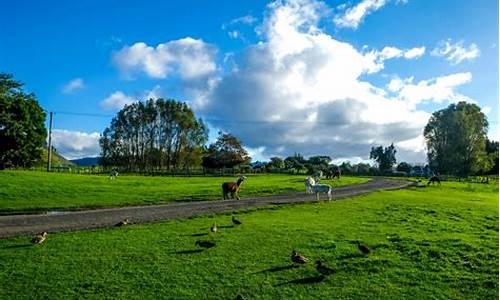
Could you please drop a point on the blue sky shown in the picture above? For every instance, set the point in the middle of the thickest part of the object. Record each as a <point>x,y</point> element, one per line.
<point>391,63</point>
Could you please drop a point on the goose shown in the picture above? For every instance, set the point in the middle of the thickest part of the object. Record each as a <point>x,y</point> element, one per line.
<point>363,248</point>
<point>213,228</point>
<point>122,223</point>
<point>236,221</point>
<point>205,244</point>
<point>298,259</point>
<point>39,238</point>
<point>323,269</point>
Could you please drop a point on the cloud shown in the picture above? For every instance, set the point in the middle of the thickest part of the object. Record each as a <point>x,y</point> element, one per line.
<point>246,20</point>
<point>189,58</point>
<point>439,89</point>
<point>375,59</point>
<point>117,100</point>
<point>456,53</point>
<point>301,90</point>
<point>353,16</point>
<point>414,53</point>
<point>73,85</point>
<point>76,144</point>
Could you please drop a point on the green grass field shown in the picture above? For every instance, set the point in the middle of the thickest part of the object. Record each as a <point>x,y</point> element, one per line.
<point>427,243</point>
<point>30,191</point>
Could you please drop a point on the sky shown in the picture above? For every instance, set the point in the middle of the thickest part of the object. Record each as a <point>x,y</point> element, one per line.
<point>300,76</point>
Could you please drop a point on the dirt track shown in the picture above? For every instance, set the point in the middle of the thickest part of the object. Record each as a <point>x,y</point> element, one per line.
<point>16,225</point>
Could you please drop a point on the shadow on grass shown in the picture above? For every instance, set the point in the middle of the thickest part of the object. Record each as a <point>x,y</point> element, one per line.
<point>351,255</point>
<point>19,246</point>
<point>188,251</point>
<point>196,234</point>
<point>278,268</point>
<point>305,280</point>
<point>226,226</point>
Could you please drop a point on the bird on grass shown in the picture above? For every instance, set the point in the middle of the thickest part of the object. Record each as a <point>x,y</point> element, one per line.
<point>323,269</point>
<point>39,238</point>
<point>122,223</point>
<point>236,221</point>
<point>205,244</point>
<point>297,258</point>
<point>363,248</point>
<point>213,228</point>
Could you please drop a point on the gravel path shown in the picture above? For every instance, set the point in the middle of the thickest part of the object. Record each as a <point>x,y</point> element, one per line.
<point>16,225</point>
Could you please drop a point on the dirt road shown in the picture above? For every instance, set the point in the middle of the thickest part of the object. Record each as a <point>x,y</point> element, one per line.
<point>16,225</point>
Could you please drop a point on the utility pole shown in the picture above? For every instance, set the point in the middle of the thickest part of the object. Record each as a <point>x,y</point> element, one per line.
<point>49,146</point>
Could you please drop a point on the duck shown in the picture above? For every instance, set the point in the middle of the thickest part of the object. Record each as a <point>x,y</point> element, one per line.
<point>39,238</point>
<point>323,269</point>
<point>236,221</point>
<point>213,228</point>
<point>122,223</point>
<point>363,248</point>
<point>205,244</point>
<point>297,258</point>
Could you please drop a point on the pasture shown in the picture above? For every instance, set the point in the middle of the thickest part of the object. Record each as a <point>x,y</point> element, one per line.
<point>30,191</point>
<point>438,242</point>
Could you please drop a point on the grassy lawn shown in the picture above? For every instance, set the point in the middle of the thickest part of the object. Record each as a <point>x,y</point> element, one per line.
<point>439,242</point>
<point>36,191</point>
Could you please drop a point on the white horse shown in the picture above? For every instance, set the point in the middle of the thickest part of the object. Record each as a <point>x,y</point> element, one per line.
<point>313,187</point>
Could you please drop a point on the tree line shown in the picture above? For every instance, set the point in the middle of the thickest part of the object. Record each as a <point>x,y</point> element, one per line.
<point>166,135</point>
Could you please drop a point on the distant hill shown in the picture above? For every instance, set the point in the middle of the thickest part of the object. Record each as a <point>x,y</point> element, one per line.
<point>56,159</point>
<point>86,161</point>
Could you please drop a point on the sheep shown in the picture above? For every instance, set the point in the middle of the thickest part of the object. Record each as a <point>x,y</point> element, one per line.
<point>319,188</point>
<point>233,188</point>
<point>309,181</point>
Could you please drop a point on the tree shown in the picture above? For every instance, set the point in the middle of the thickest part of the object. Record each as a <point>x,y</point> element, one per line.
<point>456,139</point>
<point>226,152</point>
<point>315,163</point>
<point>275,163</point>
<point>403,167</point>
<point>156,134</point>
<point>385,157</point>
<point>295,163</point>
<point>492,153</point>
<point>22,125</point>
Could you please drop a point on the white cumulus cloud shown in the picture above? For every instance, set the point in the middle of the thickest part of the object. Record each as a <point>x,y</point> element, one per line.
<point>116,101</point>
<point>188,57</point>
<point>301,90</point>
<point>353,16</point>
<point>73,85</point>
<point>439,89</point>
<point>456,53</point>
<point>76,144</point>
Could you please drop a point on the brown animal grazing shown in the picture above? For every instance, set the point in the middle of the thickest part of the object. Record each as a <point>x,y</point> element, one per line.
<point>297,258</point>
<point>232,188</point>
<point>122,223</point>
<point>323,269</point>
<point>434,179</point>
<point>39,238</point>
<point>236,221</point>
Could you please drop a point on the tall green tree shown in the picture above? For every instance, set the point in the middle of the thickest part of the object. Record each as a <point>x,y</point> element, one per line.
<point>226,152</point>
<point>154,135</point>
<point>456,140</point>
<point>403,167</point>
<point>22,125</point>
<point>385,157</point>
